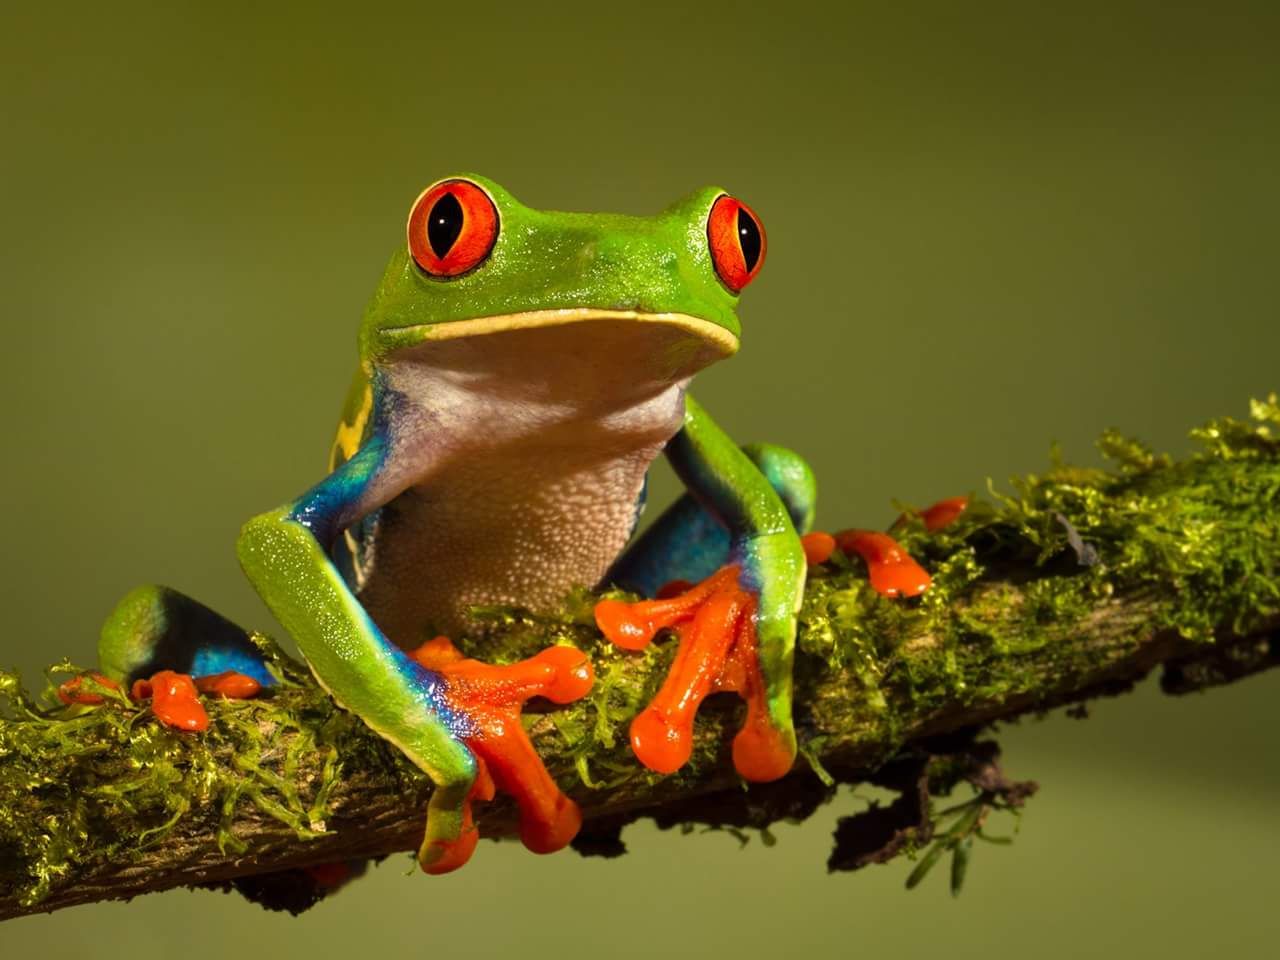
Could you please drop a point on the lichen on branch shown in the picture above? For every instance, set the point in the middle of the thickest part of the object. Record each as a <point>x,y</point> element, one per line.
<point>1075,582</point>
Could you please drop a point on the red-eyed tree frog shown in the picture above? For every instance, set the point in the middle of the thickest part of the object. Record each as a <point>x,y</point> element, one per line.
<point>519,372</point>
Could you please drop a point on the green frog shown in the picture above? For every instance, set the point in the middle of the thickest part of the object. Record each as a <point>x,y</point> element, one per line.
<point>519,372</point>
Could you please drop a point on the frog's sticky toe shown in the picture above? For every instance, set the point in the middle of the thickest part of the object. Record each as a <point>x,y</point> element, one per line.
<point>445,856</point>
<point>659,743</point>
<point>492,698</point>
<point>818,547</point>
<point>942,514</point>
<point>174,700</point>
<point>762,752</point>
<point>718,652</point>
<point>83,690</point>
<point>891,570</point>
<point>229,685</point>
<point>568,674</point>
<point>626,624</point>
<point>552,831</point>
<point>439,855</point>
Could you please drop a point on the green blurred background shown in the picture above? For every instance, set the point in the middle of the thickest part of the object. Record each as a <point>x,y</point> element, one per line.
<point>991,227</point>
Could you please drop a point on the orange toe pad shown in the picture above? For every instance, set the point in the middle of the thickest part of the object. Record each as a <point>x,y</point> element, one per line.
<point>174,700</point>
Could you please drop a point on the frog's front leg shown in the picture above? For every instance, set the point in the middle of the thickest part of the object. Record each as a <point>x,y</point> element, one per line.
<point>686,544</point>
<point>426,709</point>
<point>737,627</point>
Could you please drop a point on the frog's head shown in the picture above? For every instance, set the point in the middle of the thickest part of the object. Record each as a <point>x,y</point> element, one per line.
<point>477,262</point>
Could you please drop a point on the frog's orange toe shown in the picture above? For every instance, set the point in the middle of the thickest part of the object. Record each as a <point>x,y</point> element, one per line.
<point>174,700</point>
<point>554,831</point>
<point>229,685</point>
<point>761,754</point>
<point>73,691</point>
<point>891,570</point>
<point>446,856</point>
<point>818,547</point>
<point>660,744</point>
<point>570,675</point>
<point>626,626</point>
<point>905,579</point>
<point>943,513</point>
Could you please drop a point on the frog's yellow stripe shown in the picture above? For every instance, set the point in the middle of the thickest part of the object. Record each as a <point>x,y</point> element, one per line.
<point>351,428</point>
<point>355,418</point>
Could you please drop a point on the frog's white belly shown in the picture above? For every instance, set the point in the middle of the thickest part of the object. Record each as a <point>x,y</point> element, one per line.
<point>527,468</point>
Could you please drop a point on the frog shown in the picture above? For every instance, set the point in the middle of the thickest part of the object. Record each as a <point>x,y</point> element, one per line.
<point>519,372</point>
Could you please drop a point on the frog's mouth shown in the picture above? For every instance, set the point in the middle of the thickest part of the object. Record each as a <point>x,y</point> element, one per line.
<point>666,346</point>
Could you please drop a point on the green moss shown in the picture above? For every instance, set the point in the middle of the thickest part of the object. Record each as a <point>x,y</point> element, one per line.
<point>1011,592</point>
<point>1201,536</point>
<point>121,782</point>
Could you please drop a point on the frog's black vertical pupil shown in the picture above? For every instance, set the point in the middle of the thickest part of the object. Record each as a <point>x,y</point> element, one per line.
<point>444,223</point>
<point>748,239</point>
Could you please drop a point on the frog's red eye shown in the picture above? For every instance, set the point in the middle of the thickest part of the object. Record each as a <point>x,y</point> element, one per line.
<point>737,242</point>
<point>452,228</point>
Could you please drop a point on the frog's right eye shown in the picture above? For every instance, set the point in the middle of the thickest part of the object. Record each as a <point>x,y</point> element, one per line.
<point>737,242</point>
<point>452,228</point>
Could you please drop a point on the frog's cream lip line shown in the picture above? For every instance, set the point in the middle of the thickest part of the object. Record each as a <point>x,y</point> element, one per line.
<point>478,326</point>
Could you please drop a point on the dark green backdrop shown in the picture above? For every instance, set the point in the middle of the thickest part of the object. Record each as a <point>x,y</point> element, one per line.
<point>988,230</point>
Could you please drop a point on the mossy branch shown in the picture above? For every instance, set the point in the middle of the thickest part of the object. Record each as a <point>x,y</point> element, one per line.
<point>1079,583</point>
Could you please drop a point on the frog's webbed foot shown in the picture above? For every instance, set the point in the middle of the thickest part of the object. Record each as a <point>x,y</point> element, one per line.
<point>492,698</point>
<point>716,622</point>
<point>891,570</point>
<point>175,697</point>
<point>170,649</point>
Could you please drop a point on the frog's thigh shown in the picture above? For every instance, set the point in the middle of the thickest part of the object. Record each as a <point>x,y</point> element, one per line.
<point>688,543</point>
<point>156,628</point>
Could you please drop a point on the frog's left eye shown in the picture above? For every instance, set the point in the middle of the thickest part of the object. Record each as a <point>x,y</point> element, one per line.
<point>452,228</point>
<point>737,242</point>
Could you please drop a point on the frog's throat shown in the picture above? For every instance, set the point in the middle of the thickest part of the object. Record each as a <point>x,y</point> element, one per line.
<point>720,340</point>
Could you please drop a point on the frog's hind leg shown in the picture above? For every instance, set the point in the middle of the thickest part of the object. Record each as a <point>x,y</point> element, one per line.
<point>686,543</point>
<point>156,628</point>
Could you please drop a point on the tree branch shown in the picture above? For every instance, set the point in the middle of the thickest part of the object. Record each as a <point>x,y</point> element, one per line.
<point>1079,584</point>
